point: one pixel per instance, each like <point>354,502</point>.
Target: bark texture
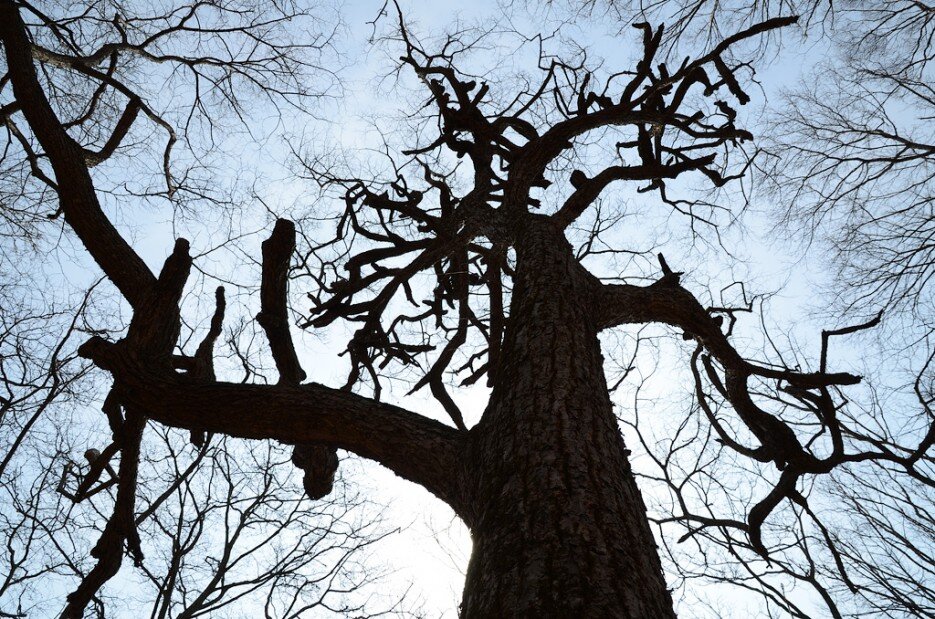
<point>559,525</point>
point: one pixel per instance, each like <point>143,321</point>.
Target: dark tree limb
<point>204,354</point>
<point>414,447</point>
<point>273,316</point>
<point>120,528</point>
<point>667,302</point>
<point>152,334</point>
<point>590,189</point>
<point>99,464</point>
<point>319,462</point>
<point>77,197</point>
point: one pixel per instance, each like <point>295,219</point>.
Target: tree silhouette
<point>196,514</point>
<point>477,280</point>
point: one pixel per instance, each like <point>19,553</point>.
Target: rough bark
<point>559,525</point>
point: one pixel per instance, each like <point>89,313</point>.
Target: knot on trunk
<point>320,463</point>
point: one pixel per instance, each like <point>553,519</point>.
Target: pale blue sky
<point>431,552</point>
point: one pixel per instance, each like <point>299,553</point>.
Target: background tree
<point>236,533</point>
<point>847,151</point>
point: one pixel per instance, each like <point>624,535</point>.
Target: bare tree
<point>234,533</point>
<point>472,274</point>
<point>852,156</point>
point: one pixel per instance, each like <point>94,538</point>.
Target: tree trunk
<point>559,525</point>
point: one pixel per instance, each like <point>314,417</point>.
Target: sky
<point>430,554</point>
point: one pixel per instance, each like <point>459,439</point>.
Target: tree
<point>237,534</point>
<point>543,479</point>
<point>225,531</point>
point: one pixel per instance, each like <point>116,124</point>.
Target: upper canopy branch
<point>587,190</point>
<point>407,226</point>
<point>510,147</point>
<point>77,197</point>
<point>652,110</point>
<point>219,49</point>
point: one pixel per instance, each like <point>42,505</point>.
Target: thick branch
<point>414,447</point>
<point>120,132</point>
<point>319,462</point>
<point>668,302</point>
<point>76,191</point>
<point>273,317</point>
